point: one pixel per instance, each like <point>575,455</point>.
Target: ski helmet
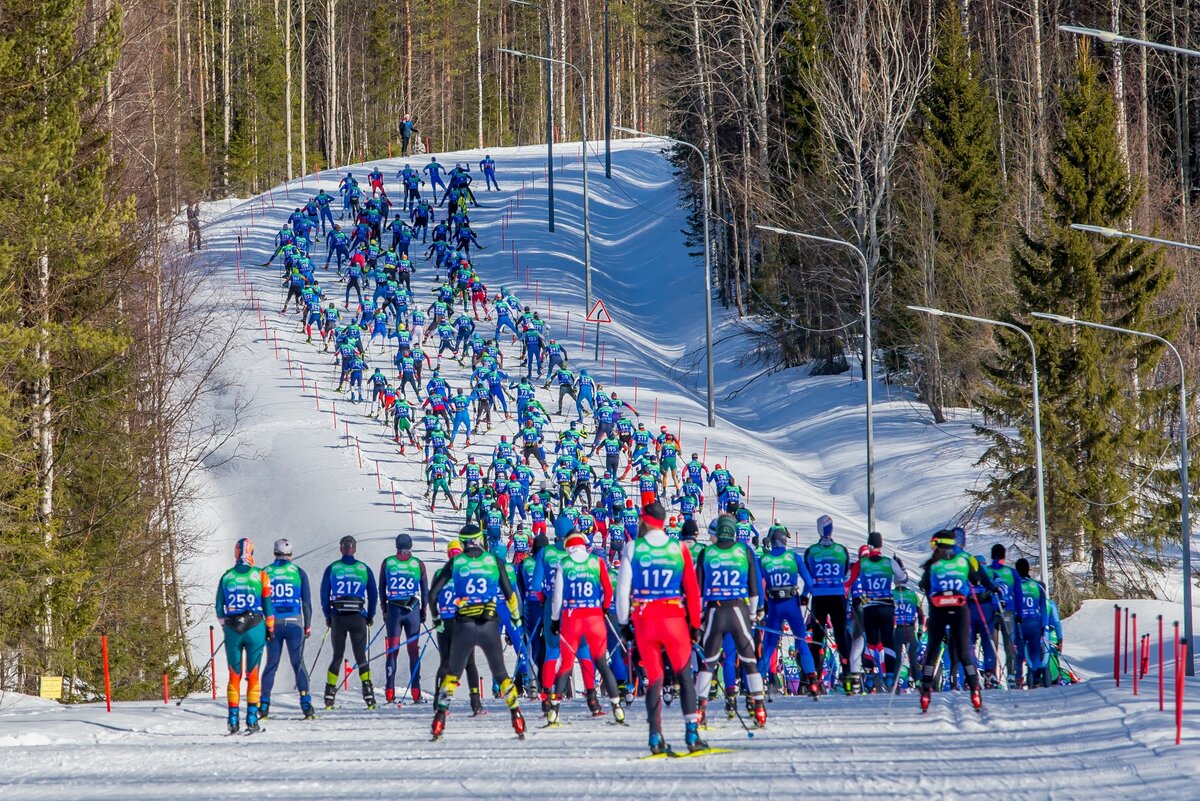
<point>348,545</point>
<point>825,527</point>
<point>283,548</point>
<point>403,542</point>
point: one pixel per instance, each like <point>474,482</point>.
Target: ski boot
<point>976,699</point>
<point>617,711</point>
<point>418,696</point>
<point>668,694</point>
<point>368,690</point>
<point>990,682</point>
<point>306,707</point>
<point>552,711</point>
<point>814,685</point>
<point>702,712</point>
<point>330,695</point>
<point>264,707</point>
<point>234,723</point>
<point>731,706</point>
<point>926,694</point>
<point>439,722</point>
<point>759,710</point>
<point>252,726</point>
<point>657,744</point>
<point>545,704</point>
<point>476,703</point>
<point>593,703</point>
<point>856,685</point>
<point>691,736</point>
<point>518,722</point>
<point>389,695</point>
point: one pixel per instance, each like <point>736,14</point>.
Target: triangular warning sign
<point>599,314</point>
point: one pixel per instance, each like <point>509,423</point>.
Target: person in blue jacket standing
<point>1033,618</point>
<point>787,581</point>
<point>488,165</point>
<point>292,599</point>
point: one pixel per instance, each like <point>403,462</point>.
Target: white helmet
<point>283,547</point>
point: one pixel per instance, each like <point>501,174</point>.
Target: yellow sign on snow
<point>50,687</point>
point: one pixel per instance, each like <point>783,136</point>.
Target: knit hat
<point>690,530</point>
<point>726,528</point>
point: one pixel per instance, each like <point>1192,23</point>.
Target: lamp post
<point>868,368</point>
<point>608,126</point>
<point>1109,37</point>
<point>1185,513</point>
<point>708,325</point>
<point>587,220</point>
<point>1037,430</point>
<point>549,115</point>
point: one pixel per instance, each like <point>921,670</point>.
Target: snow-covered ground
<point>795,442</point>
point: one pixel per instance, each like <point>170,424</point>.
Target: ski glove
<point>438,625</point>
<point>555,626</point>
<point>627,631</point>
<point>270,633</point>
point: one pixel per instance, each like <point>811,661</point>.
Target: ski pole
<point>320,647</point>
<point>395,647</point>
<point>192,684</point>
<point>417,665</point>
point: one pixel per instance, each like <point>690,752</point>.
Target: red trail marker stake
<point>1161,704</point>
<point>704,455</point>
<point>166,689</point>
<point>107,681</point>
<point>1179,685</point>
<point>393,485</point>
<point>358,449</point>
<point>656,411</point>
<point>317,398</point>
<point>412,515</point>
<point>334,414</point>
<point>346,680</point>
<point>1135,667</point>
<point>635,389</point>
<point>378,477</point>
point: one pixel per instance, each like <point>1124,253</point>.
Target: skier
<point>878,575</point>
<point>488,165</point>
<point>946,581</point>
<point>827,563</point>
<point>658,604</point>
<point>910,620</point>
<point>783,570</point>
<point>582,593</point>
<point>447,609</point>
<point>1007,601</point>
<point>245,612</point>
<point>407,129</point>
<point>1033,618</point>
<point>292,602</point>
<point>478,577</point>
<point>348,599</point>
<point>404,591</point>
<point>729,585</point>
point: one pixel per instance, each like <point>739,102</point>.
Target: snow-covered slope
<point>797,443</point>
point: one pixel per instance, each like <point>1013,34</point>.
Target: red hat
<point>575,538</point>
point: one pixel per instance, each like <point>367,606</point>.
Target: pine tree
<point>1102,435</point>
<point>952,255</point>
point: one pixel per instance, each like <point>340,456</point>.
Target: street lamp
<point>1185,513</point>
<point>587,220</point>
<point>1109,37</point>
<point>1037,430</point>
<point>549,115</point>
<point>708,326</point>
<point>1113,233</point>
<point>868,371</point>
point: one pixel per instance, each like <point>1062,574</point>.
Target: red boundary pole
<point>107,680</point>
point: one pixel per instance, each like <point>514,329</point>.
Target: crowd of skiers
<point>567,551</point>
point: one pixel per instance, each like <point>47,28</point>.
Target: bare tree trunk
<point>331,88</point>
<point>408,56</point>
<point>1144,117</point>
<point>287,88</point>
<point>227,96</point>
<point>1118,82</point>
<point>303,87</point>
<point>1035,11</point>
<point>479,68</point>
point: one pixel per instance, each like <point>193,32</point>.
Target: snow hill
<point>796,443</point>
